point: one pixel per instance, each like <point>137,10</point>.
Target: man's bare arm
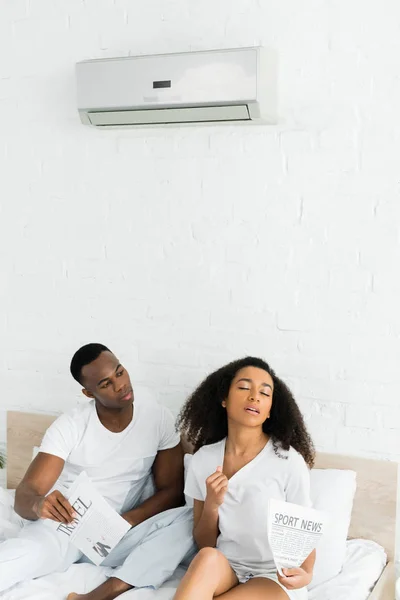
<point>168,479</point>
<point>31,499</point>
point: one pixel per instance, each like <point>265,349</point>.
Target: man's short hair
<point>85,356</point>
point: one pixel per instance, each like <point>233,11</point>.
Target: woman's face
<point>249,399</point>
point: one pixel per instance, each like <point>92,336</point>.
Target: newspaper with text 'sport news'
<point>293,532</point>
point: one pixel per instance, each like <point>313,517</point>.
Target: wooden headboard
<point>24,432</point>
<point>374,512</point>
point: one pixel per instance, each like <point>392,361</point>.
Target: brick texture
<point>183,248</point>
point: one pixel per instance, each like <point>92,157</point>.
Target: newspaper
<point>293,532</point>
<point>97,528</point>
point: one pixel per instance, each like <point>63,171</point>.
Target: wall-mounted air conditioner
<point>237,85</point>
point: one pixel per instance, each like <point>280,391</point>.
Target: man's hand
<point>55,507</point>
<point>295,579</point>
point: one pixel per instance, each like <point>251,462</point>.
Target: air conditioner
<point>237,85</point>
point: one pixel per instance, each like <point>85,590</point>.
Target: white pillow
<point>364,563</point>
<point>332,490</point>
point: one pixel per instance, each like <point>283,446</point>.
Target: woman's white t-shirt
<point>243,515</point>
<point>119,464</point>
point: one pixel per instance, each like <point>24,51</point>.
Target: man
<point>120,443</point>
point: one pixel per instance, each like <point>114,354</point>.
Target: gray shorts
<point>243,576</point>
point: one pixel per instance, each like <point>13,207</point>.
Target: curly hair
<point>203,420</point>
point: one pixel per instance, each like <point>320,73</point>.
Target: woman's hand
<point>295,579</point>
<point>217,484</point>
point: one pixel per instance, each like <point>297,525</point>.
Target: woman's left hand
<point>295,579</point>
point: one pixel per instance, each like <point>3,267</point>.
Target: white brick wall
<point>184,248</point>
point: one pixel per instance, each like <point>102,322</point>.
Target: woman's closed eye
<point>248,390</point>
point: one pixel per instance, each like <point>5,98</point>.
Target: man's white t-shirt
<point>119,464</point>
<point>243,515</point>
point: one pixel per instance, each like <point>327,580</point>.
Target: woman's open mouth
<point>251,410</point>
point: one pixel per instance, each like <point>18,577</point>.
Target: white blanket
<point>364,563</point>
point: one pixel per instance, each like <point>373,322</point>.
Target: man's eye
<point>120,373</point>
<point>105,385</point>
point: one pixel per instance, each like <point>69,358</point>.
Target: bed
<point>373,518</point>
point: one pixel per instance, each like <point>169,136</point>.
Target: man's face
<point>106,380</point>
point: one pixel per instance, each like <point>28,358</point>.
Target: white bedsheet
<point>365,561</point>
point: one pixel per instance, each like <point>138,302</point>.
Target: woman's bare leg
<point>258,588</point>
<point>208,576</point>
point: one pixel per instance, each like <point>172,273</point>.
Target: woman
<point>250,444</point>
